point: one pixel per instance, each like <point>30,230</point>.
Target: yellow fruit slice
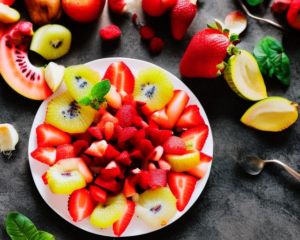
<point>272,114</point>
<point>244,77</point>
<point>105,214</point>
<point>8,137</point>
<point>182,163</point>
<point>8,14</point>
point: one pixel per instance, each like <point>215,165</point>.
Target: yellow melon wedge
<point>244,77</point>
<point>8,14</point>
<point>272,114</point>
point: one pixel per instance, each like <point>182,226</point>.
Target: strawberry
<point>108,130</point>
<point>156,8</point>
<point>117,130</point>
<point>88,161</point>
<point>152,124</point>
<point>49,136</point>
<point>147,32</point>
<point>81,204</point>
<point>117,6</point>
<point>158,152</point>
<point>136,154</point>
<point>195,138</point>
<point>144,180</point>
<point>156,45</point>
<point>97,148</point>
<point>120,76</point>
<point>164,165</point>
<point>207,49</point>
<point>182,187</point>
<point>174,145</point>
<point>157,178</point>
<point>111,171</point>
<point>122,146</point>
<point>120,226</point>
<point>138,122</point>
<point>182,16</point>
<point>138,137</point>
<point>126,133</point>
<point>129,100</point>
<point>157,137</point>
<point>146,148</point>
<point>110,32</point>
<point>84,136</point>
<point>44,178</point>
<point>96,132</point>
<point>125,115</point>
<point>190,118</point>
<point>293,15</point>
<point>98,194</point>
<point>151,166</point>
<point>129,187</point>
<point>65,151</point>
<point>110,152</point>
<point>110,185</point>
<point>79,147</point>
<point>45,155</point>
<point>279,6</point>
<point>124,158</point>
<point>106,117</point>
<point>200,170</point>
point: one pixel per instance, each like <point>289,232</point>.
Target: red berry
<point>156,45</point>
<point>147,32</point>
<point>110,32</point>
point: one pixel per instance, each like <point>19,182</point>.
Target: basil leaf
<point>253,2</point>
<point>45,236</point>
<point>100,89</point>
<point>85,101</point>
<point>95,105</point>
<point>19,227</point>
<point>272,60</point>
<point>233,37</point>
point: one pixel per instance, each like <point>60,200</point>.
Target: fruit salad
<point>122,146</point>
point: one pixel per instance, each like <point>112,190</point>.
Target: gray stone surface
<point>233,205</point>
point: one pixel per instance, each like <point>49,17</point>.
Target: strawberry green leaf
<point>272,60</point>
<point>253,2</point>
<point>100,90</point>
<point>233,37</point>
<point>86,101</point>
<point>211,26</point>
<point>45,236</point>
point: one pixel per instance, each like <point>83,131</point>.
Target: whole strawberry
<point>182,16</point>
<point>293,15</point>
<point>205,54</point>
<point>279,6</point>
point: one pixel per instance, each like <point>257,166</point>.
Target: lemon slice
<point>8,137</point>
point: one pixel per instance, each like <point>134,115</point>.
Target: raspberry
<point>110,32</point>
<point>147,32</point>
<point>156,45</point>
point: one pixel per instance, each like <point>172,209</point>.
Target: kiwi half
<point>51,41</point>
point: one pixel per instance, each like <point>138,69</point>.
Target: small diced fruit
<point>45,155</point>
<point>107,117</point>
<point>146,148</point>
<point>96,132</point>
<point>97,148</point>
<point>8,15</point>
<point>120,226</point>
<point>156,45</point>
<point>113,98</point>
<point>110,32</point>
<point>174,145</point>
<point>98,194</point>
<point>151,166</point>
<point>126,133</point>
<point>181,163</point>
<point>8,137</point>
<point>164,165</point>
<point>124,158</point>
<point>157,178</point>
<point>80,204</point>
<point>147,32</point>
<point>190,118</point>
<point>65,151</point>
<point>110,185</point>
<point>138,122</point>
<point>138,137</point>
<point>129,187</point>
<point>200,170</point>
<point>111,153</point>
<point>108,130</point>
<point>158,137</point>
<point>195,138</point>
<point>79,147</point>
<point>111,171</point>
<point>125,115</point>
<point>44,178</point>
<point>54,74</point>
<point>159,151</point>
<point>86,136</point>
<point>144,180</point>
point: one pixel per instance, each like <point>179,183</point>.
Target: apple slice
<point>236,22</point>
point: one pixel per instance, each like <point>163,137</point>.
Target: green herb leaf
<point>45,236</point>
<point>95,105</point>
<point>272,60</point>
<point>100,90</point>
<point>85,101</point>
<point>254,2</point>
<point>233,37</point>
<point>211,26</point>
<point>19,227</point>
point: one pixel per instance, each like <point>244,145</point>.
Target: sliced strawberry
<point>108,130</point>
<point>152,124</point>
<point>113,98</point>
<point>84,136</point>
<point>138,137</point>
<point>110,185</point>
<point>88,161</point>
<point>151,166</point>
<point>195,138</point>
<point>138,122</point>
<point>117,130</point>
<point>98,194</point>
<point>45,155</point>
<point>97,148</point>
<point>190,118</point>
<point>122,146</point>
<point>124,158</point>
<point>120,226</point>
<point>129,100</point>
<point>182,187</point>
<point>79,147</point>
<point>136,154</point>
<point>81,204</point>
<point>174,145</point>
<point>65,151</point>
<point>146,148</point>
<point>44,178</point>
<point>144,180</point>
<point>200,170</point>
<point>111,171</point>
<point>95,169</point>
<point>100,161</point>
<point>125,115</point>
<point>96,132</point>
<point>49,136</point>
<point>110,152</point>
<point>120,76</point>
<point>129,187</point>
<point>126,133</point>
<point>164,165</point>
<point>106,117</point>
<point>157,178</point>
<point>157,137</point>
<point>159,151</point>
<point>122,174</point>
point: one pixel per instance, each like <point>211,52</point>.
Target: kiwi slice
<point>80,80</point>
<point>51,41</point>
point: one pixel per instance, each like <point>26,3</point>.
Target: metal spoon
<point>262,19</point>
<point>254,165</point>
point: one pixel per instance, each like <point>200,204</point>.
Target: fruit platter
<point>59,203</point>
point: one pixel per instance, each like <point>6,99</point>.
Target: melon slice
<point>243,76</point>
<point>8,137</point>
<point>272,114</point>
<point>15,66</point>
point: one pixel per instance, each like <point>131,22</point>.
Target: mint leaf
<point>272,60</point>
<point>85,101</point>
<point>95,105</point>
<point>19,227</point>
<point>100,90</point>
<point>254,2</point>
<point>45,236</point>
<point>233,37</point>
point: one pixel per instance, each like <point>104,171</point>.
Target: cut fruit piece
<point>54,74</point>
<point>80,80</point>
<point>200,170</point>
<point>190,117</point>
<point>105,214</point>
<point>195,138</point>
<point>153,87</point>
<point>53,42</point>
<point>98,194</point>
<point>272,114</point>
<point>113,98</point>
<point>157,178</point>
<point>97,149</point>
<point>8,15</point>
<point>65,151</point>
<point>158,137</point>
<point>155,207</point>
<point>8,137</point>
<point>174,145</point>
<point>15,66</point>
<point>7,2</point>
<point>244,77</point>
<point>66,114</point>
<point>181,163</point>
<point>236,22</point>
<point>120,226</point>
<point>45,155</point>
<point>80,204</point>
<point>156,8</point>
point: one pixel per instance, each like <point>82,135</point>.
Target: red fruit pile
<point>127,151</point>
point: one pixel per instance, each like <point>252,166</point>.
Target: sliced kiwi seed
<point>155,209</point>
<point>72,111</point>
<point>81,81</point>
<point>56,44</point>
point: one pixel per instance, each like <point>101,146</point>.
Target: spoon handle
<point>290,170</point>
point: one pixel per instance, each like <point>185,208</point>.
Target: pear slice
<point>8,137</point>
<point>243,76</point>
<point>8,14</point>
<point>272,114</point>
<point>54,74</point>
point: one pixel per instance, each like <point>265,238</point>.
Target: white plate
<point>59,203</point>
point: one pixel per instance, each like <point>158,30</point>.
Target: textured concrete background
<point>233,205</point>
